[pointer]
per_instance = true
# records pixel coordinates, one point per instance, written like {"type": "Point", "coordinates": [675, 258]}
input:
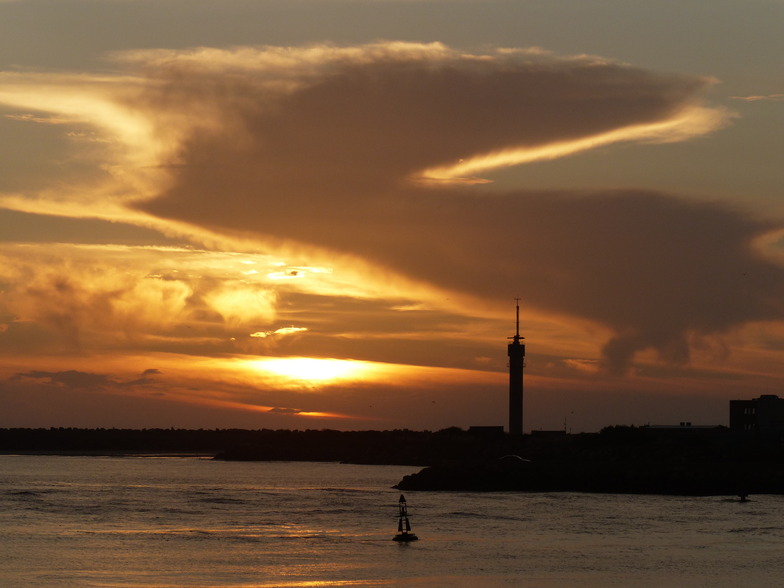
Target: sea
{"type": "Point", "coordinates": [163, 521]}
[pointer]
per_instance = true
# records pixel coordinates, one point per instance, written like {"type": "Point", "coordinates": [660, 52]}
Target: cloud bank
{"type": "Point", "coordinates": [328, 146]}
{"type": "Point", "coordinates": [374, 152]}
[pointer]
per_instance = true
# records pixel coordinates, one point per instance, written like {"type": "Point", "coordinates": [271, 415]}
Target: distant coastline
{"type": "Point", "coordinates": [616, 460]}
{"type": "Point", "coordinates": [398, 447]}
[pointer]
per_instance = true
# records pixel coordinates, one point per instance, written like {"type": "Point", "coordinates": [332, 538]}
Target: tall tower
{"type": "Point", "coordinates": [516, 364]}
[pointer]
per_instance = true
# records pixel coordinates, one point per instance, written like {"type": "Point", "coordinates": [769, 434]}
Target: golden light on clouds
{"type": "Point", "coordinates": [278, 332]}
{"type": "Point", "coordinates": [276, 410]}
{"type": "Point", "coordinates": [240, 303]}
{"type": "Point", "coordinates": [293, 273]}
{"type": "Point", "coordinates": [330, 373]}
{"type": "Point", "coordinates": [130, 146]}
{"type": "Point", "coordinates": [306, 238]}
{"type": "Point", "coordinates": [313, 370]}
{"type": "Point", "coordinates": [691, 122]}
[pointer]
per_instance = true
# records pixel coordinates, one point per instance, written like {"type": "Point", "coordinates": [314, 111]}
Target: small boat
{"type": "Point", "coordinates": [404, 533]}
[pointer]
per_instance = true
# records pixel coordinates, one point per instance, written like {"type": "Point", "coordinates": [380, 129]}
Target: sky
{"type": "Point", "coordinates": [315, 214]}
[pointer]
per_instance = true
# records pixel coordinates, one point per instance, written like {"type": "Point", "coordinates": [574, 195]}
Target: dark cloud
{"type": "Point", "coordinates": [281, 410]}
{"type": "Point", "coordinates": [69, 379]}
{"type": "Point", "coordinates": [336, 146]}
{"type": "Point", "coordinates": [657, 269]}
{"type": "Point", "coordinates": [329, 164]}
{"type": "Point", "coordinates": [77, 380]}
{"type": "Point", "coordinates": [653, 267]}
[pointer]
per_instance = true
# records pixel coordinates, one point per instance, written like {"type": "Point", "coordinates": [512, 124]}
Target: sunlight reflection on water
{"type": "Point", "coordinates": [185, 522]}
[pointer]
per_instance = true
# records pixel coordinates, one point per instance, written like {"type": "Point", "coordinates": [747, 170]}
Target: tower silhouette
{"type": "Point", "coordinates": [516, 364]}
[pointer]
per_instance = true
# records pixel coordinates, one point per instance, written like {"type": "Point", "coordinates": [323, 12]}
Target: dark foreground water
{"type": "Point", "coordinates": [127, 521]}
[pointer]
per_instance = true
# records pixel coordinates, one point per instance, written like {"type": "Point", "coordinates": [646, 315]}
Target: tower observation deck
{"type": "Point", "coordinates": [516, 364]}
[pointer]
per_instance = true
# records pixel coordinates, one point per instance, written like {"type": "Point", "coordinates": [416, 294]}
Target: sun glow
{"type": "Point", "coordinates": [311, 369]}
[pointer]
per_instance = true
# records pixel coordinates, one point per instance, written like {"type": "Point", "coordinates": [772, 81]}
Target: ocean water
{"type": "Point", "coordinates": [185, 521]}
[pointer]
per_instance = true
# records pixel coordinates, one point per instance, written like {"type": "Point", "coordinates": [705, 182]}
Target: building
{"type": "Point", "coordinates": [762, 415]}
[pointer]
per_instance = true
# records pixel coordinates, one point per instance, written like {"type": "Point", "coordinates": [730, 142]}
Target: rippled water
{"type": "Point", "coordinates": [126, 521]}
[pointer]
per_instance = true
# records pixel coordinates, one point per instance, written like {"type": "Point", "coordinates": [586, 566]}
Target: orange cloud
{"type": "Point", "coordinates": [310, 151]}
{"type": "Point", "coordinates": [692, 122]}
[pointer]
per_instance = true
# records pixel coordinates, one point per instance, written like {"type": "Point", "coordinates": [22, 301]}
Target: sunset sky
{"type": "Point", "coordinates": [319, 213]}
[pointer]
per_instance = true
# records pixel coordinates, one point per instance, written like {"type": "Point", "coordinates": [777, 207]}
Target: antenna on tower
{"type": "Point", "coordinates": [517, 336]}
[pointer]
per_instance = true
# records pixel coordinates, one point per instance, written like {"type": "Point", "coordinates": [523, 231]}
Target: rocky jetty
{"type": "Point", "coordinates": [513, 474]}
{"type": "Point", "coordinates": [619, 460]}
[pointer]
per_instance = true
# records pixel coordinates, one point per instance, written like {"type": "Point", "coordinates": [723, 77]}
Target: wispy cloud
{"type": "Point", "coordinates": [278, 332]}
{"type": "Point", "coordinates": [760, 98]}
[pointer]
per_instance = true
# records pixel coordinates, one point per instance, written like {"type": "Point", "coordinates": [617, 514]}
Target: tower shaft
{"type": "Point", "coordinates": [516, 352]}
